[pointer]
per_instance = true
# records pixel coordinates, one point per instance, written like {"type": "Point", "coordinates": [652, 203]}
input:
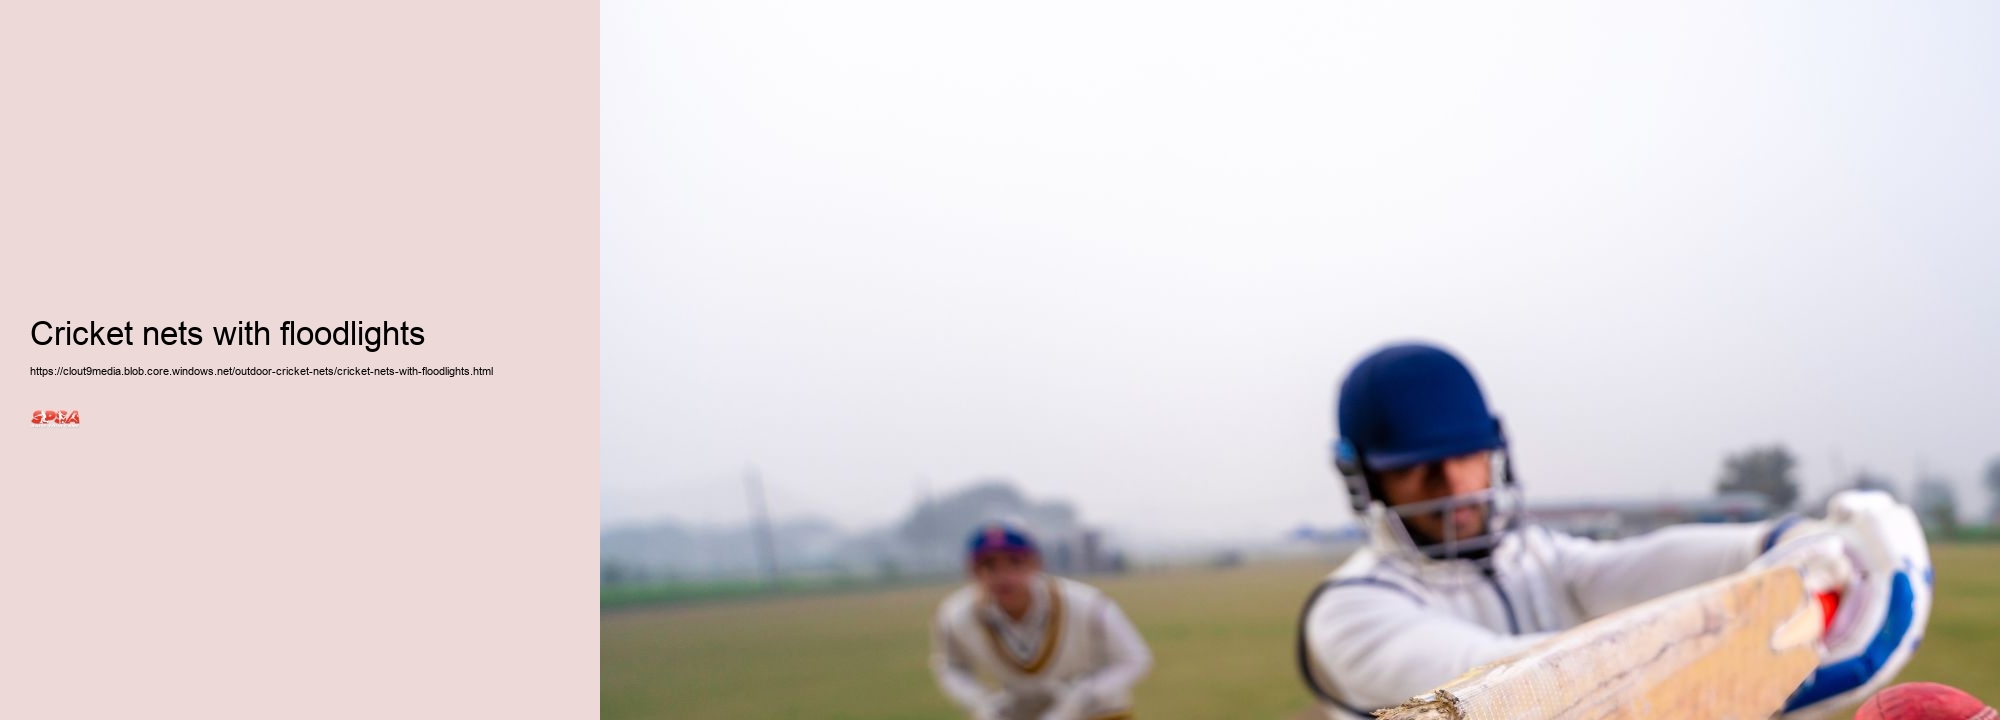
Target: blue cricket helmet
{"type": "Point", "coordinates": [1406, 405]}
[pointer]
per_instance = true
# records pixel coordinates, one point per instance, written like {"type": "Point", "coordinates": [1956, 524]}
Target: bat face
{"type": "Point", "coordinates": [1735, 647]}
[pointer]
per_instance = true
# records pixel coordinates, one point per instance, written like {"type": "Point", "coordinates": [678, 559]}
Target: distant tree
{"type": "Point", "coordinates": [1766, 471]}
{"type": "Point", "coordinates": [1993, 490]}
{"type": "Point", "coordinates": [1937, 506]}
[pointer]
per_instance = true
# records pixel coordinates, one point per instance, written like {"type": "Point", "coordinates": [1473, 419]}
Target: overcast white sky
{"type": "Point", "coordinates": [1123, 252]}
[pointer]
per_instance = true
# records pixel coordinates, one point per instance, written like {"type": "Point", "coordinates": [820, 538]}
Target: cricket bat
{"type": "Point", "coordinates": [1735, 647]}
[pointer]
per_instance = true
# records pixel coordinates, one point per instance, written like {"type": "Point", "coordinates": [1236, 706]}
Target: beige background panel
{"type": "Point", "coordinates": [301, 547]}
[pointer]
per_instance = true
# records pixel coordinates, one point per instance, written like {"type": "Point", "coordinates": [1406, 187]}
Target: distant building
{"type": "Point", "coordinates": [1624, 518]}
{"type": "Point", "coordinates": [1599, 519]}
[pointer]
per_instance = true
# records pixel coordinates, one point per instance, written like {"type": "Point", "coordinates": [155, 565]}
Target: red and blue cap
{"type": "Point", "coordinates": [999, 537]}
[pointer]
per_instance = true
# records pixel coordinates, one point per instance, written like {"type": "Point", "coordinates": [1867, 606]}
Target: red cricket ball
{"type": "Point", "coordinates": [1924, 701]}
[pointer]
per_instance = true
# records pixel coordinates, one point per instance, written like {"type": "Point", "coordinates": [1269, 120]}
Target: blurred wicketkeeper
{"type": "Point", "coordinates": [1019, 644]}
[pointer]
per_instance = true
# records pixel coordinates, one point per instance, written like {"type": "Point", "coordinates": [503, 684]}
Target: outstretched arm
{"type": "Point", "coordinates": [1380, 646]}
{"type": "Point", "coordinates": [1606, 576]}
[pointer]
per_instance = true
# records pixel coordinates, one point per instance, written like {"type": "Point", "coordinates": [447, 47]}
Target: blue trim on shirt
{"type": "Point", "coordinates": [1783, 524]}
{"type": "Point", "coordinates": [1513, 625]}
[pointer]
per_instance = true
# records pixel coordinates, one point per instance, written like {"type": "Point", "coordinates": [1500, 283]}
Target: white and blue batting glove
{"type": "Point", "coordinates": [1869, 561]}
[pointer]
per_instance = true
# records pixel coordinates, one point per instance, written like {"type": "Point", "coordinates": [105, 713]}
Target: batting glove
{"type": "Point", "coordinates": [1871, 569]}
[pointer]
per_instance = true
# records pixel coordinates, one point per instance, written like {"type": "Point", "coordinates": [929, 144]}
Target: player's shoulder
{"type": "Point", "coordinates": [1531, 538]}
{"type": "Point", "coordinates": [1358, 563]}
{"type": "Point", "coordinates": [1076, 592]}
{"type": "Point", "coordinates": [959, 604]}
{"type": "Point", "coordinates": [1544, 544]}
{"type": "Point", "coordinates": [1368, 565]}
{"type": "Point", "coordinates": [1364, 589]}
{"type": "Point", "coordinates": [1368, 573]}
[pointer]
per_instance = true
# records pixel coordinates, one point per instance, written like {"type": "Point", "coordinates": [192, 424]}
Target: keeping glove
{"type": "Point", "coordinates": [994, 706]}
{"type": "Point", "coordinates": [1071, 703]}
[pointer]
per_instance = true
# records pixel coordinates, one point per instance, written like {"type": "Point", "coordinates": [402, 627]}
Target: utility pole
{"type": "Point", "coordinates": [760, 524]}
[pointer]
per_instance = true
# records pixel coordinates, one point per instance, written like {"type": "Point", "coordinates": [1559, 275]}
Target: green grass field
{"type": "Point", "coordinates": [620, 597]}
{"type": "Point", "coordinates": [1221, 639]}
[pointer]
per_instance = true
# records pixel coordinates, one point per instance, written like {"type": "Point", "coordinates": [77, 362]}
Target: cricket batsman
{"type": "Point", "coordinates": [1020, 644]}
{"type": "Point", "coordinates": [1452, 579]}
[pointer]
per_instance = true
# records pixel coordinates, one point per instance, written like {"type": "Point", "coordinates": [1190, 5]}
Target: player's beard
{"type": "Point", "coordinates": [1467, 541]}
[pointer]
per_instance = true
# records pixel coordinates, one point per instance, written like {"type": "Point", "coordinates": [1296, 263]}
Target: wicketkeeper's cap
{"type": "Point", "coordinates": [999, 536]}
